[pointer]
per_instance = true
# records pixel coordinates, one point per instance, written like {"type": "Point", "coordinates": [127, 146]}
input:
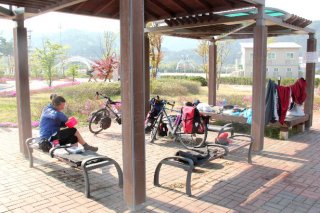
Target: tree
{"type": "Point", "coordinates": [73, 71]}
{"type": "Point", "coordinates": [48, 56]}
{"type": "Point", "coordinates": [35, 67]}
{"type": "Point", "coordinates": [203, 52]}
{"type": "Point", "coordinates": [110, 38]}
{"type": "Point", "coordinates": [155, 53]}
{"type": "Point", "coordinates": [6, 49]}
{"type": "Point", "coordinates": [223, 52]}
{"type": "Point", "coordinates": [104, 68]}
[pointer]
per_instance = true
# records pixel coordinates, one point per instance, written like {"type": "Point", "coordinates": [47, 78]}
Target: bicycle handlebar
{"type": "Point", "coordinates": [104, 96]}
{"type": "Point", "coordinates": [171, 104]}
{"type": "Point", "coordinates": [164, 102]}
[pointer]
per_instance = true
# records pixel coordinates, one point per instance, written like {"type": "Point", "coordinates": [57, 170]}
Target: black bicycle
{"type": "Point", "coordinates": [102, 118]}
{"type": "Point", "coordinates": [171, 126]}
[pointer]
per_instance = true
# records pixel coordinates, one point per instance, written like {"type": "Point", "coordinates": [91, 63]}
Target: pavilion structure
{"type": "Point", "coordinates": [258, 23]}
{"type": "Point", "coordinates": [201, 19]}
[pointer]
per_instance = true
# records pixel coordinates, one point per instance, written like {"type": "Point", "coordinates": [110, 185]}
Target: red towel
{"type": "Point", "coordinates": [298, 90]}
{"type": "Point", "coordinates": [284, 99]}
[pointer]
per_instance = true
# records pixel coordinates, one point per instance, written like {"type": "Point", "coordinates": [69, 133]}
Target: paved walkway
{"type": "Point", "coordinates": [285, 177]}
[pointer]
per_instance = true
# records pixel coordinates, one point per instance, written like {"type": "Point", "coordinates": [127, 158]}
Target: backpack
{"type": "Point", "coordinates": [191, 120]}
{"type": "Point", "coordinates": [198, 156]}
{"type": "Point", "coordinates": [163, 130]}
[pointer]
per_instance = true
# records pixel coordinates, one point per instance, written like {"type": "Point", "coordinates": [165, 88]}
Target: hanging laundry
{"type": "Point", "coordinates": [284, 100]}
{"type": "Point", "coordinates": [299, 93]}
{"type": "Point", "coordinates": [271, 103]}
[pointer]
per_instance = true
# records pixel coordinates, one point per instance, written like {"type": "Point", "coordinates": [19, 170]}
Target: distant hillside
{"type": "Point", "coordinates": [90, 44]}
{"type": "Point", "coordinates": [80, 42]}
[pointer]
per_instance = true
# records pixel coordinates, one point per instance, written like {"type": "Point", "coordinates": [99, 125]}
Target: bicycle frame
{"type": "Point", "coordinates": [171, 126]}
{"type": "Point", "coordinates": [108, 107]}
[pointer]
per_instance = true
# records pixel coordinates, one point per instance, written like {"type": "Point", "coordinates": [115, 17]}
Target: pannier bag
{"type": "Point", "coordinates": [191, 120]}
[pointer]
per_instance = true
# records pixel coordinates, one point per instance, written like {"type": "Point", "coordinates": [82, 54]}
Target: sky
{"type": "Point", "coordinates": [308, 9]}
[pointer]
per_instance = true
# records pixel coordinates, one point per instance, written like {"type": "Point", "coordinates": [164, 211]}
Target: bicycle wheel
{"type": "Point", "coordinates": [192, 140]}
{"type": "Point", "coordinates": [95, 121]}
{"type": "Point", "coordinates": [154, 130]}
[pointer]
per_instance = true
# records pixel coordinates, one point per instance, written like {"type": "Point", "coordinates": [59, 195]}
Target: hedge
{"type": "Point", "coordinates": [200, 79]}
{"type": "Point", "coordinates": [235, 80]}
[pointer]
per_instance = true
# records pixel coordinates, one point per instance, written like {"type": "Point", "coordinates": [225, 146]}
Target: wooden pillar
{"type": "Point", "coordinates": [133, 99]}
{"type": "Point", "coordinates": [22, 83]}
{"type": "Point", "coordinates": [310, 77]}
{"type": "Point", "coordinates": [147, 72]}
{"type": "Point", "coordinates": [259, 77]}
{"type": "Point", "coordinates": [212, 81]}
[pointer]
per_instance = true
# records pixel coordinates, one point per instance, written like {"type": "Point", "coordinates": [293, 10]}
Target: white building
{"type": "Point", "coordinates": [282, 60]}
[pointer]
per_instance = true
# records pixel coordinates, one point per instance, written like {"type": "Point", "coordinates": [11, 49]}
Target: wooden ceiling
{"type": "Point", "coordinates": [154, 9]}
{"type": "Point", "coordinates": [223, 26]}
{"type": "Point", "coordinates": [199, 19]}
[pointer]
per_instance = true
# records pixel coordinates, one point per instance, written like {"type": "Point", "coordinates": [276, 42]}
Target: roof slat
{"type": "Point", "coordinates": [183, 6]}
{"type": "Point", "coordinates": [100, 8]}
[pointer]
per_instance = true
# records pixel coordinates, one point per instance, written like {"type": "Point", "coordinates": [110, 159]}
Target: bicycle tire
{"type": "Point", "coordinates": [154, 130]}
{"type": "Point", "coordinates": [190, 141]}
{"type": "Point", "coordinates": [93, 120]}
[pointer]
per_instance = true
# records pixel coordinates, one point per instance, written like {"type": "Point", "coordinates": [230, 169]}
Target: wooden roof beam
{"type": "Point", "coordinates": [205, 3]}
{"type": "Point", "coordinates": [181, 21]}
{"type": "Point", "coordinates": [168, 12]}
{"type": "Point", "coordinates": [19, 4]}
{"type": "Point", "coordinates": [61, 5]}
{"type": "Point", "coordinates": [116, 14]}
{"type": "Point", "coordinates": [231, 3]}
{"type": "Point", "coordinates": [222, 20]}
{"type": "Point", "coordinates": [255, 2]}
{"type": "Point", "coordinates": [79, 6]}
{"type": "Point", "coordinates": [168, 22]}
{"type": "Point", "coordinates": [183, 6]}
{"type": "Point", "coordinates": [245, 25]}
{"type": "Point", "coordinates": [186, 20]}
{"type": "Point", "coordinates": [193, 20]}
{"type": "Point", "coordinates": [175, 22]}
{"type": "Point", "coordinates": [163, 7]}
{"type": "Point", "coordinates": [152, 14]}
{"type": "Point", "coordinates": [99, 9]}
{"type": "Point", "coordinates": [5, 12]}
{"type": "Point", "coordinates": [279, 22]}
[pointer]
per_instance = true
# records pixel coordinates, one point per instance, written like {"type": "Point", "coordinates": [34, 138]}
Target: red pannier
{"type": "Point", "coordinates": [191, 120]}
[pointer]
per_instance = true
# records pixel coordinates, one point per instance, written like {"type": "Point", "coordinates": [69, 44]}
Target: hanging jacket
{"type": "Point", "coordinates": [270, 103]}
{"type": "Point", "coordinates": [284, 100]}
{"type": "Point", "coordinates": [298, 90]}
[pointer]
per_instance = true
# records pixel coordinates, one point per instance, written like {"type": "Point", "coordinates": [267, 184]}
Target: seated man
{"type": "Point", "coordinates": [52, 119]}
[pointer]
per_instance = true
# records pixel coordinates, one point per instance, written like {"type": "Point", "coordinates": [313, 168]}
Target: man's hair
{"type": "Point", "coordinates": [52, 96]}
{"type": "Point", "coordinates": [56, 101]}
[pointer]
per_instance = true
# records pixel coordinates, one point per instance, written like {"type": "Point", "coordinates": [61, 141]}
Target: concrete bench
{"type": "Point", "coordinates": [214, 150]}
{"type": "Point", "coordinates": [85, 161]}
